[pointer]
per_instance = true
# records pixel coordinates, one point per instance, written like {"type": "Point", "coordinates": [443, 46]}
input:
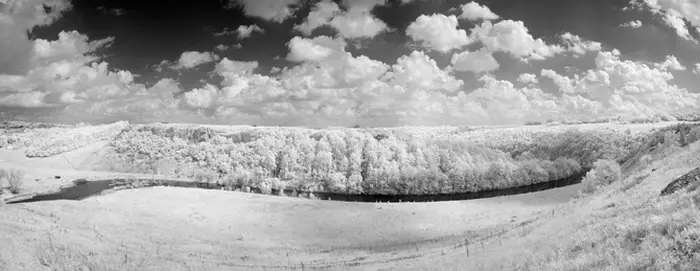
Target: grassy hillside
{"type": "Point", "coordinates": [626, 225]}
{"type": "Point", "coordinates": [623, 224]}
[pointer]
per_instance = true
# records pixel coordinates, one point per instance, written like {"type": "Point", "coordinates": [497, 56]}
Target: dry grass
{"type": "Point", "coordinates": [3, 174]}
{"type": "Point", "coordinates": [70, 139]}
{"type": "Point", "coordinates": [15, 179]}
{"type": "Point", "coordinates": [637, 230]}
{"type": "Point", "coordinates": [197, 229]}
{"type": "Point", "coordinates": [624, 225]}
{"type": "Point", "coordinates": [659, 234]}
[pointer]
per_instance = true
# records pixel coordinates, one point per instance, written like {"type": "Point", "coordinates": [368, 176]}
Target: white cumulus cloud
{"type": "Point", "coordinates": [320, 15]}
{"type": "Point", "coordinates": [514, 38]}
{"type": "Point", "coordinates": [242, 32]}
{"type": "Point", "coordinates": [316, 49]}
{"type": "Point", "coordinates": [65, 71]}
{"type": "Point", "coordinates": [632, 24]}
{"type": "Point", "coordinates": [358, 23]}
{"type": "Point", "coordinates": [245, 31]}
{"type": "Point", "coordinates": [191, 59]}
{"type": "Point", "coordinates": [438, 32]}
{"type": "Point", "coordinates": [671, 63]}
{"type": "Point", "coordinates": [271, 10]}
{"type": "Point", "coordinates": [473, 11]}
{"type": "Point", "coordinates": [579, 46]}
{"type": "Point", "coordinates": [355, 21]}
{"type": "Point", "coordinates": [564, 83]}
{"type": "Point", "coordinates": [18, 17]}
{"type": "Point", "coordinates": [419, 71]}
{"type": "Point", "coordinates": [477, 62]}
{"type": "Point", "coordinates": [674, 13]}
{"type": "Point", "coordinates": [527, 78]}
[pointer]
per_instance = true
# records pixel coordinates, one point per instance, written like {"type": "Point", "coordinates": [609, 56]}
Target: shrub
{"type": "Point", "coordinates": [265, 186]}
{"type": "Point", "coordinates": [589, 182]}
{"type": "Point", "coordinates": [693, 135]}
{"type": "Point", "coordinates": [671, 139]}
{"type": "Point", "coordinates": [336, 182]}
{"type": "Point", "coordinates": [607, 171]}
{"type": "Point", "coordinates": [634, 182]}
{"type": "Point", "coordinates": [15, 178]}
{"type": "Point", "coordinates": [205, 176]}
{"type": "Point", "coordinates": [167, 166]}
{"type": "Point", "coordinates": [3, 174]}
{"type": "Point", "coordinates": [646, 159]}
{"type": "Point", "coordinates": [604, 172]}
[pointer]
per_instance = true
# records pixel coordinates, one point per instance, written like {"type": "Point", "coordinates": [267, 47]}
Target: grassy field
{"type": "Point", "coordinates": [623, 226]}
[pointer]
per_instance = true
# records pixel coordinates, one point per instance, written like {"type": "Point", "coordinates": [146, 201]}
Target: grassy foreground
{"type": "Point", "coordinates": [623, 225]}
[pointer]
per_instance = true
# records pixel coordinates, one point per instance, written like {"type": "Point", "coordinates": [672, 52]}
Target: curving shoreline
{"type": "Point", "coordinates": [574, 179]}
{"type": "Point", "coordinates": [94, 188]}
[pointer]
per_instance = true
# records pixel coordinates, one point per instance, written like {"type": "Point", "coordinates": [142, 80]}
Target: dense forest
{"type": "Point", "coordinates": [364, 161]}
{"type": "Point", "coordinates": [409, 160]}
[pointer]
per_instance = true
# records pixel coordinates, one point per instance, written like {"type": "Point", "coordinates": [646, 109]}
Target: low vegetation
{"type": "Point", "coordinates": [617, 227]}
{"type": "Point", "coordinates": [15, 180]}
{"type": "Point", "coordinates": [604, 172]}
{"type": "Point", "coordinates": [71, 139]}
{"type": "Point", "coordinates": [658, 142]}
{"type": "Point", "coordinates": [45, 142]}
{"type": "Point", "coordinates": [690, 117]}
{"type": "Point", "coordinates": [23, 125]}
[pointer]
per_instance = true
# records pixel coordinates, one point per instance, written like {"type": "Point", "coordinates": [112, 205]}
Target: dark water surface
{"type": "Point", "coordinates": [93, 188]}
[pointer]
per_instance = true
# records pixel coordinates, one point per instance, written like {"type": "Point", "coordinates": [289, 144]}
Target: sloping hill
{"type": "Point", "coordinates": [626, 226]}
{"type": "Point", "coordinates": [180, 228]}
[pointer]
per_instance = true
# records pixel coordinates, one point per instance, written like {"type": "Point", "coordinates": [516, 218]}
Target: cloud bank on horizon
{"type": "Point", "coordinates": [469, 64]}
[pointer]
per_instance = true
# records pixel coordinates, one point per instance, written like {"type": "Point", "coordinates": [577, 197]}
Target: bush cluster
{"type": "Point", "coordinates": [15, 179]}
{"type": "Point", "coordinates": [604, 172]}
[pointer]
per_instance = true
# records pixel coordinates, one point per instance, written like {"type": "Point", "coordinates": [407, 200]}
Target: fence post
{"type": "Point", "coordinates": [466, 245]}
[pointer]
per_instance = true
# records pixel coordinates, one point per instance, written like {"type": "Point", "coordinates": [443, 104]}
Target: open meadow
{"type": "Point", "coordinates": [614, 210]}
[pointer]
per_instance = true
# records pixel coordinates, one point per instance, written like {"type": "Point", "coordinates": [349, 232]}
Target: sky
{"type": "Point", "coordinates": [347, 62]}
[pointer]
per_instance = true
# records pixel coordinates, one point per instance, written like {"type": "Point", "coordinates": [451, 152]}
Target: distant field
{"type": "Point", "coordinates": [641, 127]}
